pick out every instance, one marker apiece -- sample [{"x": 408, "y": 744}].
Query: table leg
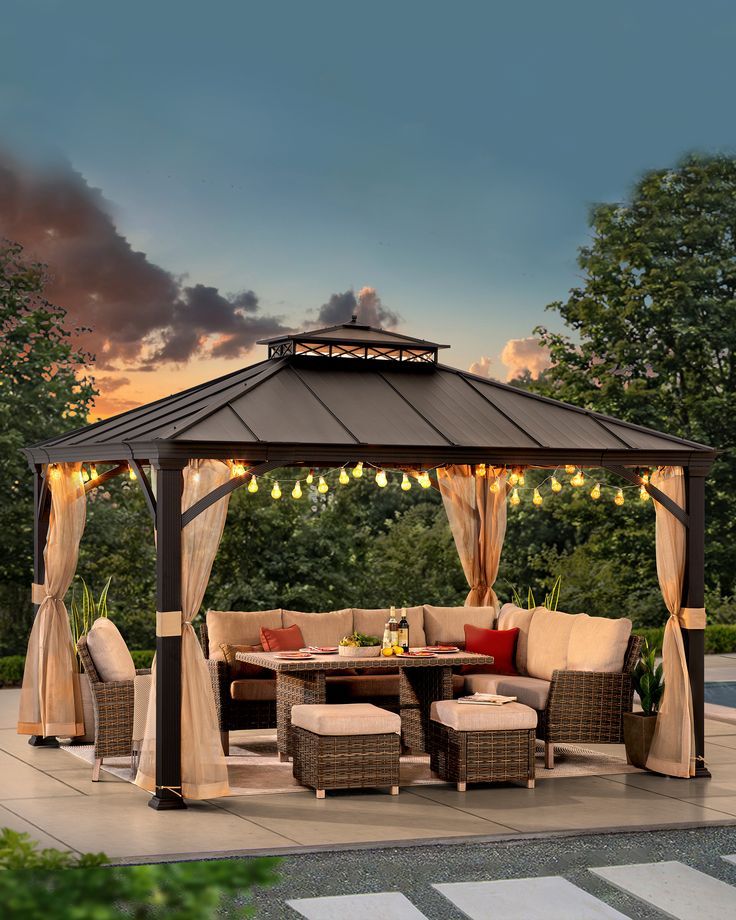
[
  {"x": 292, "y": 689},
  {"x": 418, "y": 689}
]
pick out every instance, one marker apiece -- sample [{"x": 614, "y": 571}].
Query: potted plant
[
  {"x": 639, "y": 726},
  {"x": 81, "y": 617},
  {"x": 358, "y": 645}
]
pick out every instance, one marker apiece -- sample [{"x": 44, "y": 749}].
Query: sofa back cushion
[
  {"x": 372, "y": 622},
  {"x": 513, "y": 617},
  {"x": 238, "y": 627},
  {"x": 288, "y": 639},
  {"x": 446, "y": 625},
  {"x": 321, "y": 628},
  {"x": 598, "y": 644},
  {"x": 549, "y": 640},
  {"x": 108, "y": 651}
]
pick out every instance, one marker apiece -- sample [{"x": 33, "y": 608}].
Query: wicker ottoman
[
  {"x": 350, "y": 746},
  {"x": 471, "y": 743}
]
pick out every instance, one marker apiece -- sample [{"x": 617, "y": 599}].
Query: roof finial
[{"x": 354, "y": 318}]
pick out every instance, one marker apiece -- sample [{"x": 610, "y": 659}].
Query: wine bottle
[
  {"x": 404, "y": 631},
  {"x": 393, "y": 627}
]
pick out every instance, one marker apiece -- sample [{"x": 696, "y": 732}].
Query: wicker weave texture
[
  {"x": 345, "y": 761},
  {"x": 483, "y": 756}
]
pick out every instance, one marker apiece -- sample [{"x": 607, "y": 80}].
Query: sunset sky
[{"x": 198, "y": 176}]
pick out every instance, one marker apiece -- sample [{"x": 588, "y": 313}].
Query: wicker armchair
[
  {"x": 233, "y": 715},
  {"x": 114, "y": 705},
  {"x": 588, "y": 706}
]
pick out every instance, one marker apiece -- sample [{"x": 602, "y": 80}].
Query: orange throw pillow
[
  {"x": 501, "y": 643},
  {"x": 282, "y": 640},
  {"x": 241, "y": 669}
]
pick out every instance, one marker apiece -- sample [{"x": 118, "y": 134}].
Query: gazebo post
[
  {"x": 169, "y": 487},
  {"x": 693, "y": 595}
]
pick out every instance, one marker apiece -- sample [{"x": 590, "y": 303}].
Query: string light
[
  {"x": 237, "y": 468},
  {"x": 578, "y": 479},
  {"x": 276, "y": 491},
  {"x": 322, "y": 488},
  {"x": 619, "y": 499},
  {"x": 344, "y": 478},
  {"x": 480, "y": 470},
  {"x": 405, "y": 483},
  {"x": 595, "y": 492},
  {"x": 296, "y": 492},
  {"x": 358, "y": 469},
  {"x": 643, "y": 494},
  {"x": 131, "y": 473},
  {"x": 495, "y": 485},
  {"x": 85, "y": 475},
  {"x": 569, "y": 468},
  {"x": 645, "y": 478},
  {"x": 381, "y": 479},
  {"x": 54, "y": 473},
  {"x": 253, "y": 484},
  {"x": 537, "y": 499},
  {"x": 514, "y": 478},
  {"x": 423, "y": 479},
  {"x": 515, "y": 500},
  {"x": 195, "y": 476},
  {"x": 310, "y": 478},
  {"x": 555, "y": 484},
  {"x": 93, "y": 471},
  {"x": 522, "y": 479}
]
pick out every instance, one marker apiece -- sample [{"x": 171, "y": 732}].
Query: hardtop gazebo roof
[{"x": 352, "y": 391}]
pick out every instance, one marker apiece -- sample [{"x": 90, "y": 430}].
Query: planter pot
[
  {"x": 638, "y": 734},
  {"x": 89, "y": 711},
  {"x": 352, "y": 651}
]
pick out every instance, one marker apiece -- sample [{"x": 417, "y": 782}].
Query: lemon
[
  {"x": 387, "y": 651},
  {"x": 398, "y": 650}
]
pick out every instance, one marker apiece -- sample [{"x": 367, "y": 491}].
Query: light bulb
[
  {"x": 514, "y": 478},
  {"x": 85, "y": 475},
  {"x": 344, "y": 478},
  {"x": 555, "y": 484},
  {"x": 322, "y": 487},
  {"x": 578, "y": 479},
  {"x": 276, "y": 491},
  {"x": 195, "y": 476},
  {"x": 619, "y": 499},
  {"x": 569, "y": 468},
  {"x": 405, "y": 483},
  {"x": 495, "y": 485},
  {"x": 55, "y": 473},
  {"x": 537, "y": 499},
  {"x": 645, "y": 478},
  {"x": 93, "y": 474},
  {"x": 423, "y": 479},
  {"x": 253, "y": 484},
  {"x": 296, "y": 492},
  {"x": 480, "y": 470},
  {"x": 358, "y": 469},
  {"x": 522, "y": 479},
  {"x": 237, "y": 469},
  {"x": 595, "y": 492},
  {"x": 310, "y": 478},
  {"x": 381, "y": 479},
  {"x": 80, "y": 477},
  {"x": 131, "y": 473},
  {"x": 515, "y": 497},
  {"x": 643, "y": 494}
]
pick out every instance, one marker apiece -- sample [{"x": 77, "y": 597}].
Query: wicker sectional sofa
[{"x": 574, "y": 670}]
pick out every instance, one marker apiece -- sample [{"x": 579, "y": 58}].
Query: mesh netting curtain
[
  {"x": 50, "y": 700},
  {"x": 476, "y": 510},
  {"x": 203, "y": 767}
]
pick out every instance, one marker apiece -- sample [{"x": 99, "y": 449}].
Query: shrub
[
  {"x": 720, "y": 638},
  {"x": 142, "y": 658},
  {"x": 11, "y": 670}
]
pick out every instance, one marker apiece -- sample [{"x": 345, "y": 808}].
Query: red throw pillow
[
  {"x": 282, "y": 640},
  {"x": 501, "y": 643}
]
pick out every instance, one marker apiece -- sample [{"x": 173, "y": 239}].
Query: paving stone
[{"x": 387, "y": 905}]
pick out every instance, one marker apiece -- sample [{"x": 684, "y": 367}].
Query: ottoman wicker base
[
  {"x": 344, "y": 761},
  {"x": 487, "y": 754}
]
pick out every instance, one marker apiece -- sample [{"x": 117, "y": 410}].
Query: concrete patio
[{"x": 49, "y": 794}]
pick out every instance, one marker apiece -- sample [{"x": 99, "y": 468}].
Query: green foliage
[
  {"x": 360, "y": 640},
  {"x": 551, "y": 599},
  {"x": 52, "y": 885},
  {"x": 142, "y": 658},
  {"x": 82, "y": 617},
  {"x": 648, "y": 680},
  {"x": 11, "y": 670}
]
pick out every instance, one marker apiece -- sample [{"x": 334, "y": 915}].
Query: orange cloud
[{"x": 526, "y": 354}]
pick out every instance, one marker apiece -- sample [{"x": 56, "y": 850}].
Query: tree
[
  {"x": 43, "y": 391},
  {"x": 654, "y": 326}
]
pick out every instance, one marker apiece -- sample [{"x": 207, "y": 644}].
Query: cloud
[
  {"x": 481, "y": 368},
  {"x": 526, "y": 354},
  {"x": 110, "y": 384},
  {"x": 366, "y": 304},
  {"x": 138, "y": 312}
]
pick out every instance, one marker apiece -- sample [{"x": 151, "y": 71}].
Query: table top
[{"x": 343, "y": 662}]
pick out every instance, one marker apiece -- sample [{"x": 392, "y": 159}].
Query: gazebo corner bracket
[{"x": 625, "y": 473}]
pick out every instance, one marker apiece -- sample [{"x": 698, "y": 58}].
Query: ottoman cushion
[
  {"x": 531, "y": 691},
  {"x": 345, "y": 719},
  {"x": 473, "y": 717}
]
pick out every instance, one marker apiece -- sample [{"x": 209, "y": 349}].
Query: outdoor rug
[{"x": 254, "y": 767}]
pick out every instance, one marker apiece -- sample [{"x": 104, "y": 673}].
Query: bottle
[
  {"x": 393, "y": 627},
  {"x": 404, "y": 631},
  {"x": 387, "y": 635}
]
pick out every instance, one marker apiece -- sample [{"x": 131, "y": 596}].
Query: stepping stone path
[{"x": 676, "y": 890}]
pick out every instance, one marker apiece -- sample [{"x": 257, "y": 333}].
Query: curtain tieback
[
  {"x": 691, "y": 617},
  {"x": 39, "y": 593}
]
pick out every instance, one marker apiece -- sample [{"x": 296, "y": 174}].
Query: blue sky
[{"x": 446, "y": 154}]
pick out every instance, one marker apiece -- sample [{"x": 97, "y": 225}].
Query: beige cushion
[
  {"x": 141, "y": 694},
  {"x": 447, "y": 624},
  {"x": 345, "y": 719},
  {"x": 321, "y": 628},
  {"x": 372, "y": 622},
  {"x": 512, "y": 617},
  {"x": 549, "y": 638},
  {"x": 361, "y": 686},
  {"x": 468, "y": 717},
  {"x": 531, "y": 691},
  {"x": 253, "y": 689},
  {"x": 109, "y": 652},
  {"x": 598, "y": 644},
  {"x": 238, "y": 627}
]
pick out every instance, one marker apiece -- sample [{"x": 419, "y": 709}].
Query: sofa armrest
[
  {"x": 220, "y": 677},
  {"x": 113, "y": 704},
  {"x": 587, "y": 706}
]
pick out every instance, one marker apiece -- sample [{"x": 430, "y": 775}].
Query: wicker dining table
[{"x": 421, "y": 682}]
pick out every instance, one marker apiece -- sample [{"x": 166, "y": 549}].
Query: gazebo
[{"x": 349, "y": 393}]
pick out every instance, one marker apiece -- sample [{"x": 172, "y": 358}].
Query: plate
[
  {"x": 317, "y": 650},
  {"x": 442, "y": 649},
  {"x": 294, "y": 656},
  {"x": 421, "y": 654}
]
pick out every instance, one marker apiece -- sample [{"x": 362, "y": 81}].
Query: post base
[
  {"x": 702, "y": 772},
  {"x": 173, "y": 803},
  {"x": 41, "y": 741}
]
